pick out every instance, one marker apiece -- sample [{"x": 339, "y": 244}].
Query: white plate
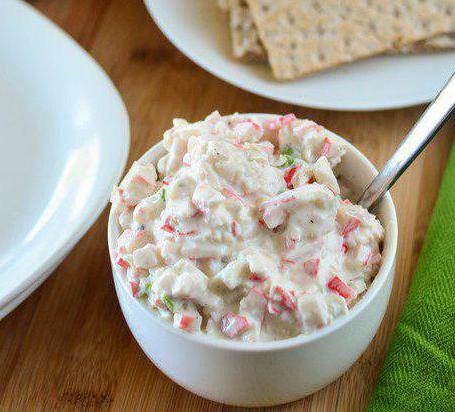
[
  {"x": 63, "y": 144},
  {"x": 201, "y": 32}
]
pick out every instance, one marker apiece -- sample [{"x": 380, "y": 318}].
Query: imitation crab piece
[
  {"x": 167, "y": 227},
  {"x": 187, "y": 233},
  {"x": 248, "y": 130},
  {"x": 274, "y": 210},
  {"x": 192, "y": 284},
  {"x": 234, "y": 228},
  {"x": 233, "y": 325},
  {"x": 188, "y": 320},
  {"x": 260, "y": 264},
  {"x": 125, "y": 219},
  {"x": 344, "y": 248},
  {"x": 280, "y": 300},
  {"x": 185, "y": 321},
  {"x": 232, "y": 195},
  {"x": 232, "y": 275},
  {"x": 140, "y": 182},
  {"x": 257, "y": 278},
  {"x": 290, "y": 243},
  {"x": 271, "y": 124},
  {"x": 337, "y": 285},
  {"x": 240, "y": 146},
  {"x": 273, "y": 217},
  {"x": 366, "y": 256},
  {"x": 177, "y": 152},
  {"x": 313, "y": 312},
  {"x": 374, "y": 259},
  {"x": 288, "y": 119},
  {"x": 351, "y": 225},
  {"x": 289, "y": 175},
  {"x": 123, "y": 263},
  {"x": 183, "y": 280},
  {"x": 323, "y": 174},
  {"x": 134, "y": 284},
  {"x": 311, "y": 267},
  {"x": 205, "y": 197},
  {"x": 253, "y": 306},
  {"x": 253, "y": 267},
  {"x": 148, "y": 209},
  {"x": 306, "y": 126},
  {"x": 146, "y": 257},
  {"x": 142, "y": 237},
  {"x": 306, "y": 211},
  {"x": 266, "y": 147},
  {"x": 326, "y": 146},
  {"x": 126, "y": 242}
]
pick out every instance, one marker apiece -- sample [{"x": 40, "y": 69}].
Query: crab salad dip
[{"x": 240, "y": 230}]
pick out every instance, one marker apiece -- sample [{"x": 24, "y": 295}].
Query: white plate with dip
[
  {"x": 200, "y": 31},
  {"x": 64, "y": 144}
]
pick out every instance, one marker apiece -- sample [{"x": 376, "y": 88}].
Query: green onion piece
[
  {"x": 147, "y": 287},
  {"x": 288, "y": 151},
  {"x": 168, "y": 302},
  {"x": 288, "y": 162},
  {"x": 163, "y": 195}
]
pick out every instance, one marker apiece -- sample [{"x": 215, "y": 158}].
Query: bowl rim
[{"x": 380, "y": 280}]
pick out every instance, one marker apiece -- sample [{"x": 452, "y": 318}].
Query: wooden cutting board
[{"x": 67, "y": 347}]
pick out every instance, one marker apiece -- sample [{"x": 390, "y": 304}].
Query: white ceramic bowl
[
  {"x": 264, "y": 374},
  {"x": 64, "y": 140}
]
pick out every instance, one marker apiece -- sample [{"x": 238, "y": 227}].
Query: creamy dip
[{"x": 240, "y": 230}]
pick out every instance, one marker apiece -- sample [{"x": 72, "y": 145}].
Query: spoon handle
[{"x": 419, "y": 136}]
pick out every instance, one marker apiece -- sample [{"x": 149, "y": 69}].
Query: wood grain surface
[{"x": 67, "y": 347}]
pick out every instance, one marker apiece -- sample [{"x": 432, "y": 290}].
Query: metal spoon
[{"x": 420, "y": 135}]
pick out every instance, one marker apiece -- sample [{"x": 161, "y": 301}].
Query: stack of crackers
[{"x": 298, "y": 37}]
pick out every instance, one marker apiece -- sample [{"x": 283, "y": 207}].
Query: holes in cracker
[
  {"x": 372, "y": 26},
  {"x": 396, "y": 12},
  {"x": 291, "y": 18},
  {"x": 320, "y": 30},
  {"x": 426, "y": 24},
  {"x": 316, "y": 6}
]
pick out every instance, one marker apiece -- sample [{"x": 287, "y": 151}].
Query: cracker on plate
[
  {"x": 246, "y": 44},
  {"x": 435, "y": 44},
  {"x": 302, "y": 36}
]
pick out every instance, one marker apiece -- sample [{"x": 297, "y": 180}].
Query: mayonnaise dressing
[{"x": 240, "y": 230}]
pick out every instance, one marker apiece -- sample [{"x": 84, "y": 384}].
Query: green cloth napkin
[{"x": 419, "y": 370}]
